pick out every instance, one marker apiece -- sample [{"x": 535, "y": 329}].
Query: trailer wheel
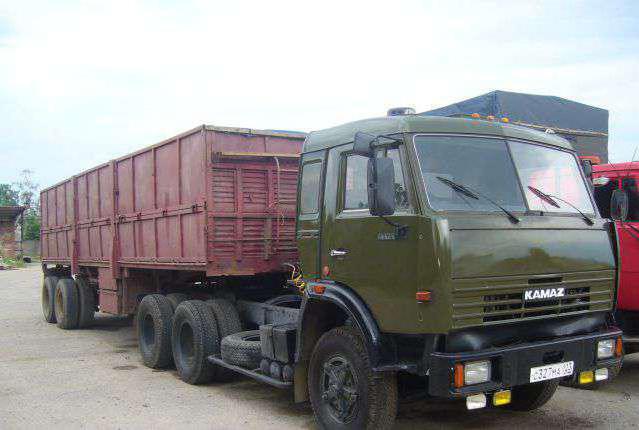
[
  {"x": 66, "y": 304},
  {"x": 532, "y": 396},
  {"x": 87, "y": 302},
  {"x": 153, "y": 322},
  {"x": 195, "y": 338},
  {"x": 345, "y": 393},
  {"x": 243, "y": 349},
  {"x": 48, "y": 298},
  {"x": 175, "y": 299}
]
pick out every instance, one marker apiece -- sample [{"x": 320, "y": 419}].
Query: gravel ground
[{"x": 93, "y": 379}]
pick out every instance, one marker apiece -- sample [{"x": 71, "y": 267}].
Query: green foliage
[
  {"x": 31, "y": 226},
  {"x": 8, "y": 196}
]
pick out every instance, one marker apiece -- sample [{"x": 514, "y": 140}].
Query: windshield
[
  {"x": 485, "y": 165},
  {"x": 553, "y": 172}
]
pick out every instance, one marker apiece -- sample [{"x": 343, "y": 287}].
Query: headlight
[
  {"x": 476, "y": 372},
  {"x": 605, "y": 348}
]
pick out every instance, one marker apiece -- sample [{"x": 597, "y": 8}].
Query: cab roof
[{"x": 343, "y": 134}]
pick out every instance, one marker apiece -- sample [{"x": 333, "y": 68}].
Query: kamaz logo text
[{"x": 548, "y": 293}]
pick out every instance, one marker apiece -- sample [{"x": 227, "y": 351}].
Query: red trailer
[{"x": 210, "y": 202}]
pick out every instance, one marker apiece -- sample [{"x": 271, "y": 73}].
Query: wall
[{"x": 9, "y": 247}]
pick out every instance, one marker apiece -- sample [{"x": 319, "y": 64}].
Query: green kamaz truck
[{"x": 447, "y": 257}]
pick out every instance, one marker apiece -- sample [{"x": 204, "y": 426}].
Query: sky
[{"x": 83, "y": 82}]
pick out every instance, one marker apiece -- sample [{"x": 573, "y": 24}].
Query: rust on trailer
[{"x": 216, "y": 200}]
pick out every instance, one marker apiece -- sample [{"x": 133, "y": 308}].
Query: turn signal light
[
  {"x": 423, "y": 296},
  {"x": 475, "y": 115},
  {"x": 319, "y": 288},
  {"x": 459, "y": 375},
  {"x": 619, "y": 347}
]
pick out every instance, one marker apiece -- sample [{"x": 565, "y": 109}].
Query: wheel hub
[{"x": 339, "y": 388}]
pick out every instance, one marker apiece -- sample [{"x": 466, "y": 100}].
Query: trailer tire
[
  {"x": 375, "y": 404},
  {"x": 86, "y": 296},
  {"x": 243, "y": 349},
  {"x": 153, "y": 323},
  {"x": 195, "y": 338},
  {"x": 66, "y": 304},
  {"x": 48, "y": 298},
  {"x": 532, "y": 396},
  {"x": 175, "y": 299}
]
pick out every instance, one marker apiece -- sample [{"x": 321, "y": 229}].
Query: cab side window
[
  {"x": 310, "y": 188},
  {"x": 630, "y": 185},
  {"x": 356, "y": 182}
]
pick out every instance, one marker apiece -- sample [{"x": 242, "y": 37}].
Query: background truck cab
[{"x": 624, "y": 177}]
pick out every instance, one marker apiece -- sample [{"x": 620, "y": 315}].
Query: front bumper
[{"x": 511, "y": 365}]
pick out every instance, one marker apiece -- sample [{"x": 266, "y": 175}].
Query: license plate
[{"x": 551, "y": 371}]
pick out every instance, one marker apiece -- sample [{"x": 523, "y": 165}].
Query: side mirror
[
  {"x": 381, "y": 186},
  {"x": 363, "y": 144},
  {"x": 619, "y": 205},
  {"x": 586, "y": 165}
]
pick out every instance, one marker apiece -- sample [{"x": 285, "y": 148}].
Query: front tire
[
  {"x": 532, "y": 396},
  {"x": 345, "y": 393}
]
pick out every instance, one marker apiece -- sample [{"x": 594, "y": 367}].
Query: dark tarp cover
[
  {"x": 547, "y": 111},
  {"x": 586, "y": 127}
]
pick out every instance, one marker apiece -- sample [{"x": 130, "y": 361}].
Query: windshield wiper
[
  {"x": 474, "y": 194},
  {"x": 549, "y": 198}
]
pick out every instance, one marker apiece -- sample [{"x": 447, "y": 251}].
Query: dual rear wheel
[{"x": 69, "y": 303}]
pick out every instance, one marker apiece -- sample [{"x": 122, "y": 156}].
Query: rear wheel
[
  {"x": 228, "y": 322},
  {"x": 532, "y": 396},
  {"x": 345, "y": 392},
  {"x": 87, "y": 302},
  {"x": 195, "y": 338},
  {"x": 66, "y": 304},
  {"x": 175, "y": 299},
  {"x": 154, "y": 331},
  {"x": 48, "y": 298}
]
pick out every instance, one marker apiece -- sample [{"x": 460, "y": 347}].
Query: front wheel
[
  {"x": 345, "y": 392},
  {"x": 532, "y": 396}
]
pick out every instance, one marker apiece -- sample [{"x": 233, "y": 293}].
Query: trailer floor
[{"x": 94, "y": 379}]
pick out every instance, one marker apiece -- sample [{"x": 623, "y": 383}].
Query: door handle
[{"x": 338, "y": 252}]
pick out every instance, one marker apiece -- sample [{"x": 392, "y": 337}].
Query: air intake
[{"x": 400, "y": 111}]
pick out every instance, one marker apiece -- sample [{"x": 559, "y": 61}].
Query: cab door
[
  {"x": 364, "y": 252},
  {"x": 628, "y": 295},
  {"x": 309, "y": 210}
]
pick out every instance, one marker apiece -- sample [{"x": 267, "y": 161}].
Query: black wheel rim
[
  {"x": 148, "y": 332},
  {"x": 339, "y": 389},
  {"x": 185, "y": 337}
]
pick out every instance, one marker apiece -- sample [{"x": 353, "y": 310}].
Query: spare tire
[
  {"x": 243, "y": 349},
  {"x": 48, "y": 298}
]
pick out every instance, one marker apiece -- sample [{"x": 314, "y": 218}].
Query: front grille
[
  {"x": 493, "y": 301},
  {"x": 500, "y": 307}
]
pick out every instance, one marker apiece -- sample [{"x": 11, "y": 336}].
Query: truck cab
[
  {"x": 609, "y": 182},
  {"x": 466, "y": 253}
]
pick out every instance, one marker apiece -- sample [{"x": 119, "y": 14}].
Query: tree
[
  {"x": 8, "y": 196},
  {"x": 25, "y": 190}
]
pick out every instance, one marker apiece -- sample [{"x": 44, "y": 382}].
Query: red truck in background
[{"x": 610, "y": 182}]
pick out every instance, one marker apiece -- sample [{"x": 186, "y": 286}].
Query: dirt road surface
[{"x": 94, "y": 379}]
